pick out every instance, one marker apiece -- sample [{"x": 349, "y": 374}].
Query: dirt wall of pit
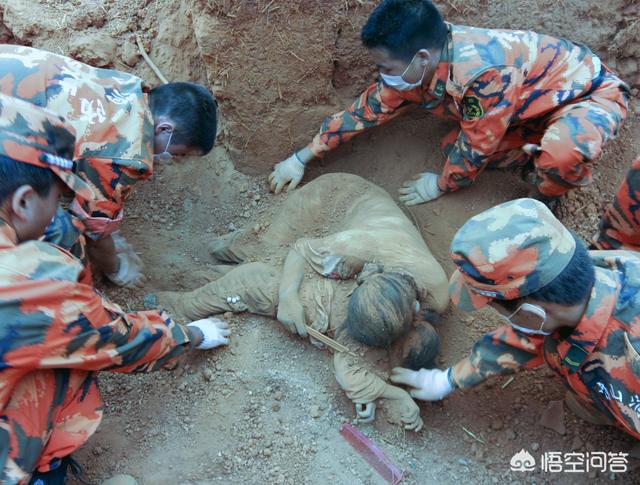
[{"x": 278, "y": 68}]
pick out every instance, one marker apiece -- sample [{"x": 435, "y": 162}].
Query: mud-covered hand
[
  {"x": 291, "y": 314},
  {"x": 289, "y": 171},
  {"x": 405, "y": 411},
  {"x": 423, "y": 188},
  {"x": 215, "y": 332},
  {"x": 425, "y": 384}
]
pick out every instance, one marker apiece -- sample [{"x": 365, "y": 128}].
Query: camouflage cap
[
  {"x": 37, "y": 136},
  {"x": 507, "y": 252}
]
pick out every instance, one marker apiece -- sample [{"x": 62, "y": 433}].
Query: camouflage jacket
[
  {"x": 488, "y": 80},
  {"x": 108, "y": 110},
  {"x": 599, "y": 360},
  {"x": 50, "y": 321}
]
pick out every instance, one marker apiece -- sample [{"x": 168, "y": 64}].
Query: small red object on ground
[{"x": 370, "y": 452}]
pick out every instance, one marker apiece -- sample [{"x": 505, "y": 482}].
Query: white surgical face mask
[
  {"x": 536, "y": 310},
  {"x": 398, "y": 82}
]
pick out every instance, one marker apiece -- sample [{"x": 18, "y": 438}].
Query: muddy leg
[
  {"x": 251, "y": 287},
  {"x": 228, "y": 248}
]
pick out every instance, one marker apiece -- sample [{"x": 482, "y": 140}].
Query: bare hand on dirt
[
  {"x": 291, "y": 315},
  {"x": 215, "y": 332},
  {"x": 425, "y": 384},
  {"x": 423, "y": 188},
  {"x": 289, "y": 171}
]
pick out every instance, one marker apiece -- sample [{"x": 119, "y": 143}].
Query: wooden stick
[
  {"x": 148, "y": 60},
  {"x": 328, "y": 341}
]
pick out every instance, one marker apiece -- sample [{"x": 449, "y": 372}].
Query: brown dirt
[{"x": 242, "y": 414}]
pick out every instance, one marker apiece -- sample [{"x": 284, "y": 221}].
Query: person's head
[
  {"x": 519, "y": 259},
  {"x": 382, "y": 307},
  {"x": 405, "y": 39},
  {"x": 36, "y": 148},
  {"x": 185, "y": 118},
  {"x": 420, "y": 346}
]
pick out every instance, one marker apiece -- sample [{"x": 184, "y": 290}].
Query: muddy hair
[
  {"x": 571, "y": 287},
  {"x": 381, "y": 309},
  {"x": 420, "y": 347},
  {"x": 193, "y": 110},
  {"x": 14, "y": 174},
  {"x": 403, "y": 27}
]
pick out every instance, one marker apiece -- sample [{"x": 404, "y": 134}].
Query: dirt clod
[{"x": 97, "y": 49}]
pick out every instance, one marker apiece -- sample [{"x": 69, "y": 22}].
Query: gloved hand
[
  {"x": 289, "y": 171},
  {"x": 291, "y": 314},
  {"x": 129, "y": 272},
  {"x": 426, "y": 384},
  {"x": 423, "y": 188},
  {"x": 215, "y": 332}
]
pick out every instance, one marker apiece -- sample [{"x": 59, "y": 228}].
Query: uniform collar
[
  {"x": 574, "y": 349},
  {"x": 437, "y": 87},
  {"x": 8, "y": 236}
]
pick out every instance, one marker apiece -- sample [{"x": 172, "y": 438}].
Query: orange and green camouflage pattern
[
  {"x": 620, "y": 223},
  {"x": 599, "y": 360},
  {"x": 55, "y": 335},
  {"x": 109, "y": 113},
  {"x": 508, "y": 252},
  {"x": 506, "y": 88},
  {"x": 39, "y": 137}
]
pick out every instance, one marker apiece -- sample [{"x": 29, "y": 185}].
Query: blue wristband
[
  {"x": 450, "y": 377},
  {"x": 298, "y": 158}
]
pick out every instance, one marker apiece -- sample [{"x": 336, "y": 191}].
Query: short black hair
[
  {"x": 420, "y": 347},
  {"x": 403, "y": 27},
  {"x": 14, "y": 174},
  {"x": 193, "y": 110},
  {"x": 571, "y": 287}
]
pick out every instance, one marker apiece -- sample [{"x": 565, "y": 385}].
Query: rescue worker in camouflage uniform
[
  {"x": 620, "y": 223},
  {"x": 57, "y": 333},
  {"x": 522, "y": 99},
  {"x": 578, "y": 311},
  {"x": 120, "y": 125}
]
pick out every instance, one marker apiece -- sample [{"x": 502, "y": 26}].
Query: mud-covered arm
[
  {"x": 488, "y": 107},
  {"x": 375, "y": 106},
  {"x": 332, "y": 256},
  {"x": 362, "y": 385},
  {"x": 290, "y": 309},
  {"x": 503, "y": 351}
]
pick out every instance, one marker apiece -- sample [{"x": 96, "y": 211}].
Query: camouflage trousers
[
  {"x": 569, "y": 139},
  {"x": 53, "y": 413},
  {"x": 620, "y": 223}
]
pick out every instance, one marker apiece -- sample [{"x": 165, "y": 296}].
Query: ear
[
  {"x": 424, "y": 56},
  {"x": 22, "y": 202},
  {"x": 164, "y": 127}
]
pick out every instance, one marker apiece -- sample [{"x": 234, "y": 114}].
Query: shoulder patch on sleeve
[{"x": 472, "y": 108}]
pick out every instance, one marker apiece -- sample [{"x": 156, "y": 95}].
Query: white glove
[
  {"x": 130, "y": 265},
  {"x": 289, "y": 171},
  {"x": 215, "y": 331},
  {"x": 426, "y": 384},
  {"x": 423, "y": 188}
]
